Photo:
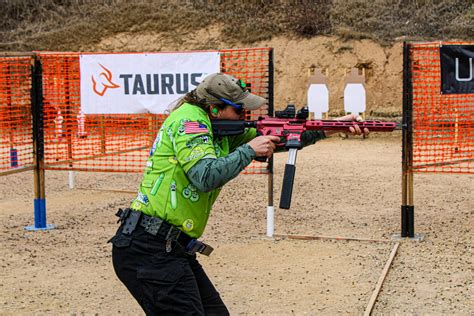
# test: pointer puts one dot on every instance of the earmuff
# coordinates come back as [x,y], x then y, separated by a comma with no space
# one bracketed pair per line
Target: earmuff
[215,111]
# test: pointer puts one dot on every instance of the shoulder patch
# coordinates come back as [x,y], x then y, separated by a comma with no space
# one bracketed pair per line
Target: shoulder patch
[195,128]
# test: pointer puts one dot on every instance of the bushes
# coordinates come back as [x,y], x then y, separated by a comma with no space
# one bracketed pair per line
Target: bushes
[66,24]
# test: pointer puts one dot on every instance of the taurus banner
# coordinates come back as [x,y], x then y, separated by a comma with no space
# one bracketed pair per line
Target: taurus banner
[457,72]
[141,83]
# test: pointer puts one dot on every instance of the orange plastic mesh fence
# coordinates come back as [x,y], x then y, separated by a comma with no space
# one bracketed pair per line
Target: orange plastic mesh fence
[443,139]
[16,126]
[119,142]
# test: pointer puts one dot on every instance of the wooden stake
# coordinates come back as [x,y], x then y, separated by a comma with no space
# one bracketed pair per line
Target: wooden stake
[306,237]
[375,294]
[111,190]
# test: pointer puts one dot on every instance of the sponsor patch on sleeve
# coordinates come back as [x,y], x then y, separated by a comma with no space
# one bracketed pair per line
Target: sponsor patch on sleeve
[196,153]
[201,139]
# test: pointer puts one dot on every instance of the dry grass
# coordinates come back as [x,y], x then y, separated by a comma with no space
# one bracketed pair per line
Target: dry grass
[67,24]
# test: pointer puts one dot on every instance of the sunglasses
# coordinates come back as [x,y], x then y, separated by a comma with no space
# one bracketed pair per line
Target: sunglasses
[238,108]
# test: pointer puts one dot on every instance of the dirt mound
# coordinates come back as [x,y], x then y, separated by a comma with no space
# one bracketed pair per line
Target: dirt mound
[293,58]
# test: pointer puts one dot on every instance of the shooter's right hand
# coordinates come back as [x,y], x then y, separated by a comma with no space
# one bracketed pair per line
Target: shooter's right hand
[264,145]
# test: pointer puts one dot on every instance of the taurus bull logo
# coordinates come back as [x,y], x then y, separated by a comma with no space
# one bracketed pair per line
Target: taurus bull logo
[105,82]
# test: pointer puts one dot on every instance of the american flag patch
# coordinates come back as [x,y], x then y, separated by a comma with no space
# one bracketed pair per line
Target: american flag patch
[194,128]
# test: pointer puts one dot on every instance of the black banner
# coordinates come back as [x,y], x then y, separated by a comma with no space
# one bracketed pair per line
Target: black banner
[457,72]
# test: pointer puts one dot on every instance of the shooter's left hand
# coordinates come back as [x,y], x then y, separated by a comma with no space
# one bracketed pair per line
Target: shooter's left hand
[356,129]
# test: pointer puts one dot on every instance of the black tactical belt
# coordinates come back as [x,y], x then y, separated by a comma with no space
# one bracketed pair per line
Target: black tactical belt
[161,229]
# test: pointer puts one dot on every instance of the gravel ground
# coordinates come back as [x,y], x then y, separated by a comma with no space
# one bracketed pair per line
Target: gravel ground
[349,187]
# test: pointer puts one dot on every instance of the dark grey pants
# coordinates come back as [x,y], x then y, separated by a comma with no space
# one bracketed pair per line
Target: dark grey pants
[163,283]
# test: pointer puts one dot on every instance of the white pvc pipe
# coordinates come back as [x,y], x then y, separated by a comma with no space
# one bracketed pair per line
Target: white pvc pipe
[270,222]
[71,179]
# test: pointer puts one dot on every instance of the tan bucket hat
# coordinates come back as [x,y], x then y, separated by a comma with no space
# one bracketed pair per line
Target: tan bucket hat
[218,86]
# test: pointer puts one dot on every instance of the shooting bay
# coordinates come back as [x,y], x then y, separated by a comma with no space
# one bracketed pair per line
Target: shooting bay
[345,188]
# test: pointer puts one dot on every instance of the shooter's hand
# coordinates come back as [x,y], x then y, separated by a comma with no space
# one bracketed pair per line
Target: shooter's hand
[264,145]
[356,129]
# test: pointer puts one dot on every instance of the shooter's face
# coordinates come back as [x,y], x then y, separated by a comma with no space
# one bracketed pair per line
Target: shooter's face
[231,113]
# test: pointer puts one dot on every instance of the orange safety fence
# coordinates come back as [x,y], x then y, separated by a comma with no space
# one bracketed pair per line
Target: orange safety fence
[16,125]
[443,134]
[99,142]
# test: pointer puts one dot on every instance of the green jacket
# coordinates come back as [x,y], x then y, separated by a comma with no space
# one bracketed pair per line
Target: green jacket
[184,139]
